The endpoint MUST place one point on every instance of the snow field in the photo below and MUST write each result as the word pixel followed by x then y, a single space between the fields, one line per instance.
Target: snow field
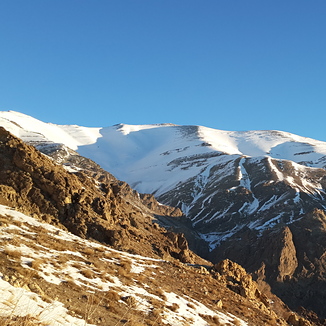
pixel 20 302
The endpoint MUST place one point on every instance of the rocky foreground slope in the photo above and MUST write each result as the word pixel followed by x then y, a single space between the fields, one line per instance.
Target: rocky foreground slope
pixel 52 277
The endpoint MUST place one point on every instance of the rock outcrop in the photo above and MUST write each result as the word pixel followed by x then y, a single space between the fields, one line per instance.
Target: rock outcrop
pixel 290 259
pixel 238 280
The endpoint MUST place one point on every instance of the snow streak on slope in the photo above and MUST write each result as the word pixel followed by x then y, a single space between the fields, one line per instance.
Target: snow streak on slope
pixel 245 182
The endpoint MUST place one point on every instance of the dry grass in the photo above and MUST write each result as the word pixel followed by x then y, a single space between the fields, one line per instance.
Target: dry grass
pixel 191 305
pixel 101 249
pixel 236 322
pixel 158 291
pixel 46 298
pixel 107 277
pixel 130 301
pixel 100 266
pixel 216 321
pixel 88 273
pixel 62 259
pixel 112 296
pixel 126 265
pixel 3 221
pixel 213 320
pixel 37 263
pixel 88 251
pixel 156 315
pixel 19 321
pixel 76 264
pixel 16 222
pixel 46 240
pixel 155 303
pixel 112 255
pixel 13 253
pixel 125 273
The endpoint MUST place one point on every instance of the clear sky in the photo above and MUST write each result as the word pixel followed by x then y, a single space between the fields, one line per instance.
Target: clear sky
pixel 225 64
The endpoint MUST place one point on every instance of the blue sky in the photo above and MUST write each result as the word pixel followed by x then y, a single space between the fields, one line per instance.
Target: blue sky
pixel 225 64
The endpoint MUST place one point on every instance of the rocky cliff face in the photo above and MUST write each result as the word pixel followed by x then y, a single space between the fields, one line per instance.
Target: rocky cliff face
pixel 267 215
pixel 291 259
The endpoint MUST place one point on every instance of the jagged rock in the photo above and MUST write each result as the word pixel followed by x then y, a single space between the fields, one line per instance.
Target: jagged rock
pixel 311 316
pixel 295 320
pixel 186 256
pixel 288 261
pixel 237 279
pixel 203 270
pixel 153 204
pixel 178 240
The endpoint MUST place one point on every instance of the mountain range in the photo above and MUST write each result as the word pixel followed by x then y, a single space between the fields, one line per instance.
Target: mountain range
pixel 255 197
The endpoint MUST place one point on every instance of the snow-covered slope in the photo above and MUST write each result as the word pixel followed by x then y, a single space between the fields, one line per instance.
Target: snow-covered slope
pixel 32 130
pixel 154 158
pixel 140 142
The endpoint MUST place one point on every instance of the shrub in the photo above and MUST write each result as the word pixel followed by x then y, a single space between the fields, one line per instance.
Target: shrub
pixel 13 253
pixel 36 263
pixel 174 307
pixel 88 273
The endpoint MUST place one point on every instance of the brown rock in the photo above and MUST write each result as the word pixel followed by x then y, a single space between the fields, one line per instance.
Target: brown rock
pixel 288 261
pixel 237 279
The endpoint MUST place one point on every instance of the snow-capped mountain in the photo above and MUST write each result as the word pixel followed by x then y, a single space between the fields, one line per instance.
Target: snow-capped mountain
pixel 222 180
pixel 253 196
